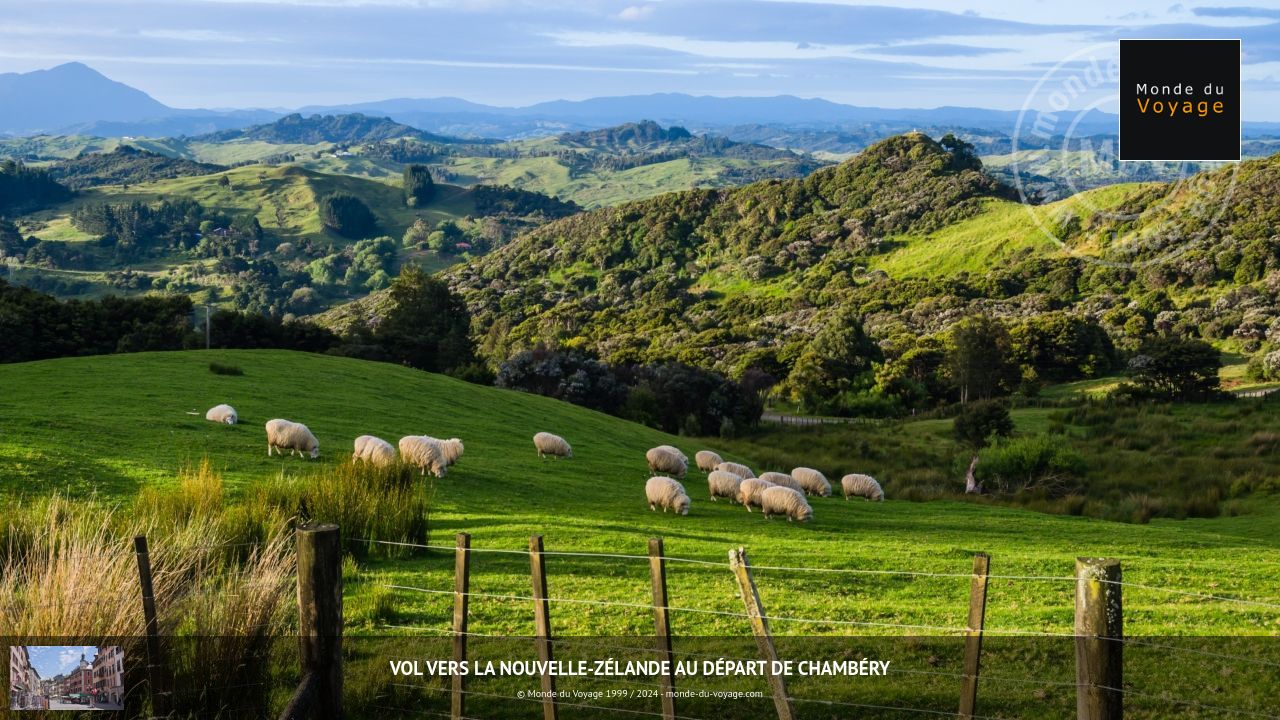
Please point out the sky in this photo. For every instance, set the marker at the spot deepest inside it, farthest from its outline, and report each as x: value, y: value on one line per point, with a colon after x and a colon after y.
x: 59, y: 659
x: 900, y: 53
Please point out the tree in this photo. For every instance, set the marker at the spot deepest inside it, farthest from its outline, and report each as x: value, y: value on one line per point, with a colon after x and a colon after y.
x: 974, y: 427
x: 839, y: 353
x: 427, y: 326
x: 418, y: 186
x: 347, y: 215
x: 980, y: 358
x: 1174, y: 368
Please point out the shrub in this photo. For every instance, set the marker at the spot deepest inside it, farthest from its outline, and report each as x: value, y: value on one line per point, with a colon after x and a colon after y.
x: 1034, y: 463
x: 347, y: 215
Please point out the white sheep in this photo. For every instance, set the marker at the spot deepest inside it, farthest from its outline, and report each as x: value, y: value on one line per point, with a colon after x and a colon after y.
x: 783, y: 479
x: 785, y: 501
x: 677, y: 451
x: 749, y: 491
x: 222, y: 414
x: 424, y: 453
x: 707, y: 460
x: 373, y: 450
x: 666, y: 493
x: 295, y: 437
x: 863, y: 486
x: 452, y: 450
x: 666, y: 459
x: 738, y: 469
x: 552, y: 445
x: 723, y: 484
x: 813, y: 482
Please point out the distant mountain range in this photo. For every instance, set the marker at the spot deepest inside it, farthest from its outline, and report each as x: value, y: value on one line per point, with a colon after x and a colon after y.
x: 76, y: 99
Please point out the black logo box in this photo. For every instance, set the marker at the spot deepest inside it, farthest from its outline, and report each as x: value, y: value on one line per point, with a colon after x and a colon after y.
x: 1180, y: 65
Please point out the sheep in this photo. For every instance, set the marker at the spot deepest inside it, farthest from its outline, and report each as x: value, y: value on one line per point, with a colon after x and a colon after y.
x: 452, y: 450
x: 723, y: 484
x: 295, y: 437
x: 424, y: 453
x: 738, y: 469
x: 783, y: 479
x: 663, y: 459
x: 812, y: 481
x: 222, y: 414
x: 552, y: 445
x: 863, y: 486
x: 707, y: 460
x: 373, y: 450
x: 785, y: 501
x: 676, y: 451
x: 749, y: 491
x: 666, y: 493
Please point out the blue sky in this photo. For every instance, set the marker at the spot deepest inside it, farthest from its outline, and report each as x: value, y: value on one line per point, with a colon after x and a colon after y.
x: 909, y: 53
x: 52, y: 660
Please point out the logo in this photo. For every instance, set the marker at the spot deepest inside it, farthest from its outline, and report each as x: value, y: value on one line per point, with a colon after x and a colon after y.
x: 1180, y: 100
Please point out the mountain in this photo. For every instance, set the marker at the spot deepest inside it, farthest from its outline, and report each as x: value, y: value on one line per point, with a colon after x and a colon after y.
x: 911, y: 237
x: 67, y: 95
x: 348, y: 128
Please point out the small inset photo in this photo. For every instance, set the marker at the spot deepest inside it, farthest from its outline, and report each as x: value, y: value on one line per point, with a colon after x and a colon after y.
x: 66, y: 677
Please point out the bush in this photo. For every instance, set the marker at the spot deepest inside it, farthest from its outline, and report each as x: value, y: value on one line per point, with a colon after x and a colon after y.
x: 1035, y: 463
x: 347, y: 215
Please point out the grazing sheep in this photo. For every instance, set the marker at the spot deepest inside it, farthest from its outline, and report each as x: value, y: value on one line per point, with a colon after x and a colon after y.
x: 813, y: 482
x: 295, y: 437
x: 424, y: 453
x: 863, y: 486
x: 677, y: 451
x: 723, y: 484
x: 222, y: 414
x: 373, y: 450
x: 783, y: 479
x: 785, y: 501
x: 749, y: 492
x: 668, y: 494
x: 666, y: 459
x: 552, y: 445
x: 452, y: 450
x: 707, y: 460
x: 738, y: 469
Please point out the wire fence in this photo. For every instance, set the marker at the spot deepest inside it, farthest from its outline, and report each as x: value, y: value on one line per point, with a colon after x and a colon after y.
x: 470, y: 598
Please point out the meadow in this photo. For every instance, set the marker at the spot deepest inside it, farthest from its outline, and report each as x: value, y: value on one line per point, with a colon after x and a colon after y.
x: 116, y: 432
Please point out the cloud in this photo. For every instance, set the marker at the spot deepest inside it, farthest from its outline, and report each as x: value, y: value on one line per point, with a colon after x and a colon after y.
x: 635, y: 12
x: 937, y: 50
x: 1238, y: 11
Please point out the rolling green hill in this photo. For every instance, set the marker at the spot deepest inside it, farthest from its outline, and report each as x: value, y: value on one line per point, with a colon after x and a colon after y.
x: 141, y: 418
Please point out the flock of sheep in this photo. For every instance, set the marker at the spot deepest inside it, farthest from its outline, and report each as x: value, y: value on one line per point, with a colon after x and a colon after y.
x: 775, y: 493
x: 426, y: 453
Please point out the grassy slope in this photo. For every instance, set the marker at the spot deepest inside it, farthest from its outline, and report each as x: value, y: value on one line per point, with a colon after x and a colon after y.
x: 111, y: 424
x: 1002, y: 229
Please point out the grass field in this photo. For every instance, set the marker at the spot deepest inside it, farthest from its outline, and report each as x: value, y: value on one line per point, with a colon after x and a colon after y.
x: 104, y: 427
x: 106, y: 430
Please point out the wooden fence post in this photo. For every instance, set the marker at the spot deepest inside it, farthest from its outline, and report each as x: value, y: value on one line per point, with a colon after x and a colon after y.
x: 320, y: 616
x: 760, y: 627
x: 461, y: 588
x: 973, y: 635
x: 155, y: 663
x: 662, y: 627
x: 1099, y: 640
x: 542, y: 626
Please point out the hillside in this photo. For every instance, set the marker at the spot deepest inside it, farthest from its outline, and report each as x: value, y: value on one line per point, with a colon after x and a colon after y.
x: 281, y: 246
x: 501, y: 493
x: 746, y: 277
x: 70, y: 93
x: 349, y: 128
x: 126, y: 165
